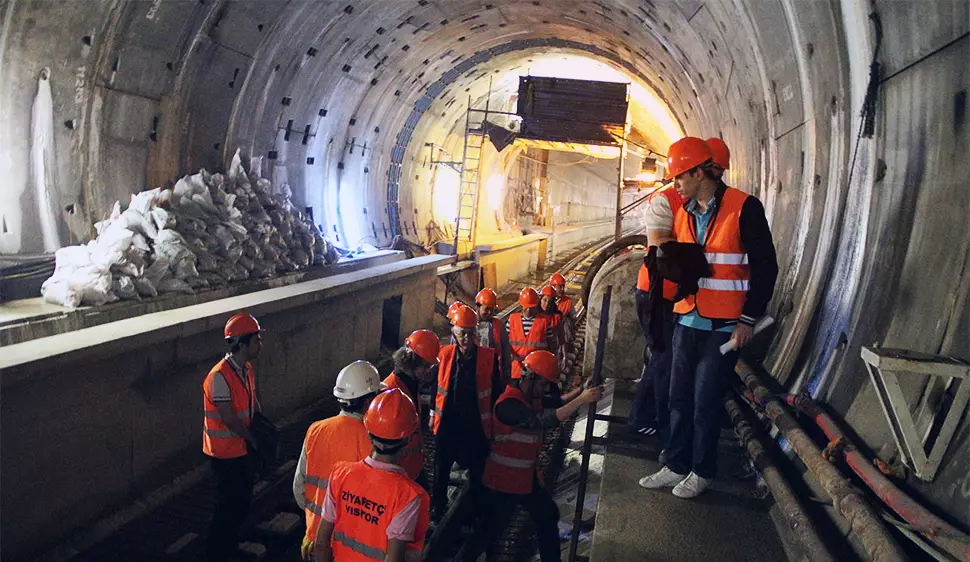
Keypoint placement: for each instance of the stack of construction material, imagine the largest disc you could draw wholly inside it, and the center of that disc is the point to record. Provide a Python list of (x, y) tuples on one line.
[(207, 231)]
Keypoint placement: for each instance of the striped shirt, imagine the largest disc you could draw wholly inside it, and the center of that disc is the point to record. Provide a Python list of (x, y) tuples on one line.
[(527, 327)]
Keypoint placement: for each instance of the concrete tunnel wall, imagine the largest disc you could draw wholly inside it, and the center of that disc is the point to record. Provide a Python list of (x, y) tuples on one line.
[(92, 425), (872, 235)]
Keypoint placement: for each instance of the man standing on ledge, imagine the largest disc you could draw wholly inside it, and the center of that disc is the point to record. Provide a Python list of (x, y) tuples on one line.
[(732, 228), (229, 403)]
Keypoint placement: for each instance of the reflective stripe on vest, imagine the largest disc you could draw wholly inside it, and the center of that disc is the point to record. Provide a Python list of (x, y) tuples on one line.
[(217, 439), (722, 295), (359, 547), (411, 457), (484, 367), (523, 344), (510, 466)]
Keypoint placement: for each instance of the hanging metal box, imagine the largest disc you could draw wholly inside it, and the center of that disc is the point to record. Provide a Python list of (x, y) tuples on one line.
[(572, 111)]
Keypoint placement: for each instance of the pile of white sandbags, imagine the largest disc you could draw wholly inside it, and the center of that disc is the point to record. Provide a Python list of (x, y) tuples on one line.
[(208, 231)]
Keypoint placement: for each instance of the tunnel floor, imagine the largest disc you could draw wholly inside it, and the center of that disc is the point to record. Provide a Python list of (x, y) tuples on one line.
[(729, 522)]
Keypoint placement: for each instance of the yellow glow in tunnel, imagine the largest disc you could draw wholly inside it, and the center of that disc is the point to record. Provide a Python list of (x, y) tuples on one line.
[(444, 200)]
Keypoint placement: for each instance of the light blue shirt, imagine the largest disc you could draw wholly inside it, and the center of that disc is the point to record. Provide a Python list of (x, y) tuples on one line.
[(701, 221)]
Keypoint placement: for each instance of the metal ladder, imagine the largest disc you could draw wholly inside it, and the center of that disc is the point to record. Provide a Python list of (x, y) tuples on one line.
[(469, 188)]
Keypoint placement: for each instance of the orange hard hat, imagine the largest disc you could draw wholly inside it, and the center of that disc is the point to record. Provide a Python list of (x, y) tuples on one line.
[(557, 279), (685, 155), (542, 363), (548, 291), (465, 317), (720, 152), (486, 297), (528, 298), (241, 324), (454, 308), (391, 415), (425, 344)]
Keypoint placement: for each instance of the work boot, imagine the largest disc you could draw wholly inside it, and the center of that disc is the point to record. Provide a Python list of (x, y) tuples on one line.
[(661, 479), (692, 486)]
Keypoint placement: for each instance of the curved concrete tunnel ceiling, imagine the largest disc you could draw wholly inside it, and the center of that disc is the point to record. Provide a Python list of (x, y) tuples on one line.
[(339, 98)]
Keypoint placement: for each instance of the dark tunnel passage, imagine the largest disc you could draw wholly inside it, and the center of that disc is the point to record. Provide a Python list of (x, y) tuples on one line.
[(863, 175)]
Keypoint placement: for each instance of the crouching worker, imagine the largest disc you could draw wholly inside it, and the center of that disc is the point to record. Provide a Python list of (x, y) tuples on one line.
[(412, 364), (341, 438), (511, 471), (372, 510)]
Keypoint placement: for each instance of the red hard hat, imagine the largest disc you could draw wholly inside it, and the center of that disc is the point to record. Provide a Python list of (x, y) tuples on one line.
[(425, 344), (720, 152), (454, 308), (685, 155), (528, 298), (548, 291), (557, 279), (465, 318), (391, 415), (486, 297), (542, 363), (241, 324)]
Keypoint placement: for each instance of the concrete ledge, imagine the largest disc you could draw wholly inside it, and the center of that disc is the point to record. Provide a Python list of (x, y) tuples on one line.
[(29, 319), (513, 259), (510, 243)]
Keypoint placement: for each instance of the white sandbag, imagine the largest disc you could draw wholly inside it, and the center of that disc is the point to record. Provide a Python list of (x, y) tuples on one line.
[(58, 290), (110, 247), (144, 202), (145, 287), (94, 284), (205, 202), (137, 222), (182, 188), (184, 267), (171, 246), (162, 218), (140, 243), (71, 258), (157, 272), (237, 175), (124, 287), (173, 285), (114, 216), (188, 206)]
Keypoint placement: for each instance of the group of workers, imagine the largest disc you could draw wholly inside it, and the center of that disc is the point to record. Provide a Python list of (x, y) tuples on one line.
[(360, 478), (707, 279)]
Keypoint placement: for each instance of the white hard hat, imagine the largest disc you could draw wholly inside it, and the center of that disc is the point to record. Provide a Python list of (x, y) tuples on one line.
[(360, 378)]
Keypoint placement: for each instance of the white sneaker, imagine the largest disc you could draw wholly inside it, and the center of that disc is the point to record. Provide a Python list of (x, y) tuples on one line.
[(661, 479), (692, 486)]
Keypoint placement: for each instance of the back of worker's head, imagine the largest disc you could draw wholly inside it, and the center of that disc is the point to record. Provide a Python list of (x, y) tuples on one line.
[(356, 386), (390, 421)]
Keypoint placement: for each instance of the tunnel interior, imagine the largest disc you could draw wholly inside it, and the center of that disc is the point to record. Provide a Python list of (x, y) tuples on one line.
[(862, 172)]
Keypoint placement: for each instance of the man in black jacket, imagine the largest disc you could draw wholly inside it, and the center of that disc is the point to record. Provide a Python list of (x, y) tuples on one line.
[(733, 230)]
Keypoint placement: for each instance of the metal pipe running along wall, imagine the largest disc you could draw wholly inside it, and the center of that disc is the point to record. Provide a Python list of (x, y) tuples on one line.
[(798, 520), (944, 535), (863, 520)]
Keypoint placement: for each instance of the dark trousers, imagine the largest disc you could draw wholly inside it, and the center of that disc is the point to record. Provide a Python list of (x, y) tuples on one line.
[(699, 377), (649, 408), (468, 453), (234, 492), (499, 511)]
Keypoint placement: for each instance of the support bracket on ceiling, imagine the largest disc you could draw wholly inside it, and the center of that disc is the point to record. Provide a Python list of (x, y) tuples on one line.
[(886, 368)]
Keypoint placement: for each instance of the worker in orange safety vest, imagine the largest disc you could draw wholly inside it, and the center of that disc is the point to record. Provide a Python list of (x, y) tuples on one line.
[(468, 383), (413, 363), (733, 231), (528, 330), (549, 309), (491, 331), (565, 305), (522, 413), (229, 403), (341, 438), (372, 510)]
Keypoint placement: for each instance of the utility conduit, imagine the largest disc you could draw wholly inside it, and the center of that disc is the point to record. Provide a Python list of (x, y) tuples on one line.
[(863, 520), (944, 535), (800, 523)]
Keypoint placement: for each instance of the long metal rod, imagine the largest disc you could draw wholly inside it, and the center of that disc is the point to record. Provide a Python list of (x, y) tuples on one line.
[(947, 537), (597, 379), (618, 231), (798, 521), (863, 521)]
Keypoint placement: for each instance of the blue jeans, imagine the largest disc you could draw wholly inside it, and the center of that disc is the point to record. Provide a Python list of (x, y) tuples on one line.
[(699, 377)]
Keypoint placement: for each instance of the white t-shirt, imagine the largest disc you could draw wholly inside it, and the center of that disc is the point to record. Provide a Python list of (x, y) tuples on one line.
[(659, 215)]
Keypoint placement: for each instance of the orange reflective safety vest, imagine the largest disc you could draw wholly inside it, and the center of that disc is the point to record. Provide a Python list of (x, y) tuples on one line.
[(722, 295), (514, 452), (217, 439), (565, 304), (485, 366), (367, 500), (523, 344), (341, 438), (411, 457), (676, 201)]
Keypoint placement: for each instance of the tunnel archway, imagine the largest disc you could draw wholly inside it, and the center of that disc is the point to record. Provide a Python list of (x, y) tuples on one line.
[(339, 99)]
